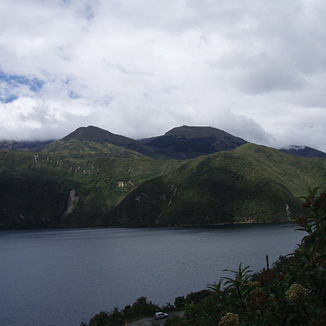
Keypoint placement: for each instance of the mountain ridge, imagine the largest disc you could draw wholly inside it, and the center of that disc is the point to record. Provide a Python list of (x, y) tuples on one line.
[(178, 143)]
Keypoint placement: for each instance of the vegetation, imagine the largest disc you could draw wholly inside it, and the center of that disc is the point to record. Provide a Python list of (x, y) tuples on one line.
[(141, 307), (292, 292), (36, 188), (83, 187), (249, 184), (95, 178)]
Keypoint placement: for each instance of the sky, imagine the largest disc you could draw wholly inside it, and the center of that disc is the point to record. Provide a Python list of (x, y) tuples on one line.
[(138, 68)]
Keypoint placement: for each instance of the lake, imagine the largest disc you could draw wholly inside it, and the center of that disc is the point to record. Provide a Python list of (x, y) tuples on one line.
[(64, 277)]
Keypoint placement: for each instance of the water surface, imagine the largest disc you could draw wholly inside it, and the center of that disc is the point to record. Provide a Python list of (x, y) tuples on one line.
[(64, 277)]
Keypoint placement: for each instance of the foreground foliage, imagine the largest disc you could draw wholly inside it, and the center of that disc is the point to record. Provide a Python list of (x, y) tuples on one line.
[(293, 292)]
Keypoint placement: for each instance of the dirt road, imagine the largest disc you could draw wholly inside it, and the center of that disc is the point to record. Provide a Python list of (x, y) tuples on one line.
[(151, 321)]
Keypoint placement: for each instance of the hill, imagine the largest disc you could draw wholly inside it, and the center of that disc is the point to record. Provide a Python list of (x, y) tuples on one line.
[(190, 142), (251, 183), (91, 140), (179, 143), (46, 190), (303, 151)]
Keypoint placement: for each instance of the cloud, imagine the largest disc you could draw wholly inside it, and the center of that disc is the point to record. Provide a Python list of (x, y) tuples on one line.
[(255, 69)]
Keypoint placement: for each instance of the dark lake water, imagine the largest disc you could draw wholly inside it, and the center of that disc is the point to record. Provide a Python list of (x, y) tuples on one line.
[(64, 277)]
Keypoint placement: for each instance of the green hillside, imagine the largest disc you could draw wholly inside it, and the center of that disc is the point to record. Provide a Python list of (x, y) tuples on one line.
[(46, 190), (251, 183)]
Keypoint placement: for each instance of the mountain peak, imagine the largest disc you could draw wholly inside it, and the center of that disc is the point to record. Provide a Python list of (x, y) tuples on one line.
[(199, 132), (190, 142), (97, 134)]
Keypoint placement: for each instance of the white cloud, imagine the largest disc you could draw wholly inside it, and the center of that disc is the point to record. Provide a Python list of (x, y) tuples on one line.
[(255, 69)]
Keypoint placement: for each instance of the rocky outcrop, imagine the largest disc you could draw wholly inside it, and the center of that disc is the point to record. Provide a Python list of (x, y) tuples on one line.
[(72, 202)]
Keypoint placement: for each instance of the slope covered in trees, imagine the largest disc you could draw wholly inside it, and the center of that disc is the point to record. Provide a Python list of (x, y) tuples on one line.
[(251, 183)]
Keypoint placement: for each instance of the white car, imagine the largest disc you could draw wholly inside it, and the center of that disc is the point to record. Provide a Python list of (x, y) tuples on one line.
[(160, 315)]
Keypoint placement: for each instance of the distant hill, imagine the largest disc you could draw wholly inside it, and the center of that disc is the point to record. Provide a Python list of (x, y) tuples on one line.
[(303, 151), (190, 142), (23, 146), (179, 143), (251, 183), (92, 140)]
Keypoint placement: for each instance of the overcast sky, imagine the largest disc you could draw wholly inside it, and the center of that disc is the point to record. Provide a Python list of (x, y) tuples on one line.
[(254, 68)]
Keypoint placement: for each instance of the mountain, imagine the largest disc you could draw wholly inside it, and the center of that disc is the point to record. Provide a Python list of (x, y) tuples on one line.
[(96, 134), (179, 143), (91, 140), (251, 183), (93, 177), (303, 151), (190, 142)]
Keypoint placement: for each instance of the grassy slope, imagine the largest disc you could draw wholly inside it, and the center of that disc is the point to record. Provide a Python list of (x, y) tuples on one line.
[(250, 183)]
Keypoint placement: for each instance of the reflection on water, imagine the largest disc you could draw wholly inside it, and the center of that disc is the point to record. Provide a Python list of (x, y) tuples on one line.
[(64, 277)]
